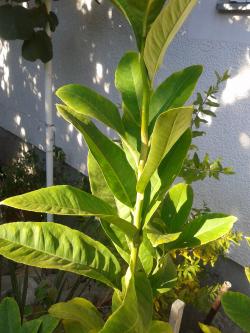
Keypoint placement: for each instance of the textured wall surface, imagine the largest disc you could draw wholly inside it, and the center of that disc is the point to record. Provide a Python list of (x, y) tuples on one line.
[(88, 45)]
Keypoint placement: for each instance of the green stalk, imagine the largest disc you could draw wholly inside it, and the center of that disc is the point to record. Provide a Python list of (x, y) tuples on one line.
[(143, 157)]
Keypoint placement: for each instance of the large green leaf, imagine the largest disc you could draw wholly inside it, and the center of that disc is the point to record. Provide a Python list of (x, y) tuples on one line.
[(168, 170), (88, 103), (163, 31), (160, 327), (204, 229), (129, 81), (208, 329), (237, 307), (31, 326), (68, 200), (99, 188), (54, 246), (79, 310), (174, 91), (135, 312), (10, 321), (118, 173), (141, 14), (176, 207), (49, 324), (169, 127)]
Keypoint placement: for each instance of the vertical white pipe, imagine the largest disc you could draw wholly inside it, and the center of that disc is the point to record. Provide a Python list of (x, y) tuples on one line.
[(49, 116)]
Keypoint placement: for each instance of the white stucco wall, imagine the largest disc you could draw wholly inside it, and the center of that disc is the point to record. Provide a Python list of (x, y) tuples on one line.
[(88, 44)]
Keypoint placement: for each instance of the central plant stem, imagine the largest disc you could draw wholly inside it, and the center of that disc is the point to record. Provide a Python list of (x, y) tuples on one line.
[(143, 157)]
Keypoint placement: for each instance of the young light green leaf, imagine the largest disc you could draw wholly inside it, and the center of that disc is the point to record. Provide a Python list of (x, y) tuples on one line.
[(236, 307), (163, 30), (79, 310), (118, 173), (208, 329), (129, 81), (204, 229), (174, 91), (169, 127), (10, 320), (55, 246), (160, 327), (68, 200), (140, 14), (135, 312), (176, 207), (88, 103)]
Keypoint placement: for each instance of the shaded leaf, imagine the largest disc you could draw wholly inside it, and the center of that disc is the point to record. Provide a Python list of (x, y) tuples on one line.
[(54, 246), (49, 324), (31, 326), (176, 207), (164, 276), (79, 310), (10, 320), (160, 327), (236, 307), (39, 46), (135, 312)]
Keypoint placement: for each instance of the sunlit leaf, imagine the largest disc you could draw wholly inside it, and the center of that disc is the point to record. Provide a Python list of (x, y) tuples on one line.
[(204, 229), (55, 246), (169, 127), (168, 170), (208, 329), (88, 103), (163, 31), (129, 81), (174, 91), (140, 14), (118, 173), (68, 200)]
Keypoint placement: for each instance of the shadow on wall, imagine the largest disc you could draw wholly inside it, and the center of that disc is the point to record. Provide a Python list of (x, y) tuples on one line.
[(88, 44)]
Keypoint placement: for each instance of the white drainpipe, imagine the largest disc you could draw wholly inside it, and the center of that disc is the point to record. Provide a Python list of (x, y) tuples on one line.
[(49, 116)]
